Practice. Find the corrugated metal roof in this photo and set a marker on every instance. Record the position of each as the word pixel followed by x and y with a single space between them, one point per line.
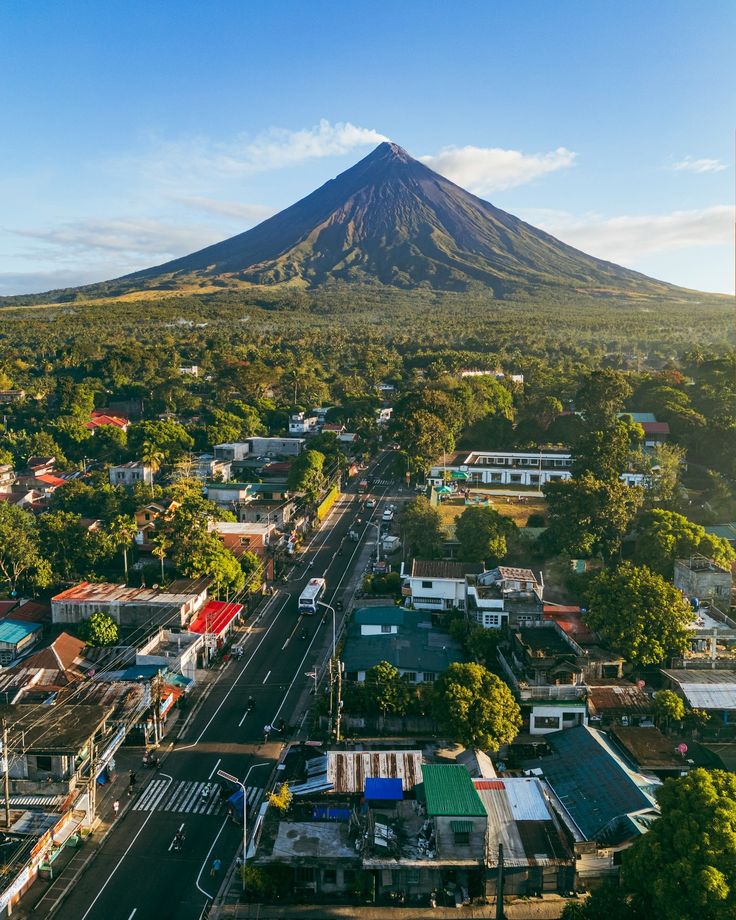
pixel 449 790
pixel 461 827
pixel 14 631
pixel 348 770
pixel 706 689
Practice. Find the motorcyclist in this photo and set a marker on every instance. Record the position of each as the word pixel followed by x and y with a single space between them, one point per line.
pixel 205 794
pixel 178 840
pixel 251 703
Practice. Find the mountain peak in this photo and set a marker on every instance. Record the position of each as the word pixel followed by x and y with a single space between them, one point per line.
pixel 390 151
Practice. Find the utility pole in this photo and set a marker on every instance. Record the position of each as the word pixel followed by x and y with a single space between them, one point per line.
pixel 156 684
pixel 6 774
pixel 500 915
pixel 332 678
pixel 339 700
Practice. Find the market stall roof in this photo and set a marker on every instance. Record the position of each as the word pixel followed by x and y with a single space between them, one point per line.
pixel 215 617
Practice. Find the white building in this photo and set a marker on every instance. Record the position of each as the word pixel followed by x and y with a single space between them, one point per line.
pixel 438 585
pixel 504 467
pixel 301 423
pixel 128 474
pixel 232 451
pixel 276 447
pixel 503 596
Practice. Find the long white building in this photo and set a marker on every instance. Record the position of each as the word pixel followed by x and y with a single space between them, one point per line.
pixel 504 467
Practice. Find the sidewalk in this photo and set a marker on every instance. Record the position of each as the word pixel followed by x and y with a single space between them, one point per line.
pixel 549 907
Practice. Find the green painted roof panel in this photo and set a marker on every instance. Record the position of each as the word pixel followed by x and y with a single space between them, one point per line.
pixel 449 790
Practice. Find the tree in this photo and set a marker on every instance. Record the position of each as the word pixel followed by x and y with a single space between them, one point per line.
pixel 588 516
pixel 386 689
pixel 668 707
pixel 253 572
pixel 422 437
pixel 202 554
pixel 605 454
pixel 602 396
pixel 110 443
pixel 484 534
pixel 66 544
pixel 607 903
pixel 475 707
pixel 421 526
pixel 159 550
pixel 307 474
pixel 662 467
pixel 153 456
pixel 168 437
pixel 684 867
pixel 121 531
pixel 280 799
pixel 21 561
pixel 99 630
pixel 663 536
pixel 639 613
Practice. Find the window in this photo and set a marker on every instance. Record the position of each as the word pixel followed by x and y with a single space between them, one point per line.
pixel 429 677
pixel 546 721
pixel 426 584
pixel 329 876
pixel 43 763
pixel 534 479
pixel 491 619
pixel 496 477
pixel 385 628
pixel 429 601
pixel 410 676
pixel 462 838
pixel 515 477
pixel 304 875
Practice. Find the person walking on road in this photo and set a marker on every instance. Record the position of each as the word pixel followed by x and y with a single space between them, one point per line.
pixel 216 865
pixel 131 782
pixel 116 807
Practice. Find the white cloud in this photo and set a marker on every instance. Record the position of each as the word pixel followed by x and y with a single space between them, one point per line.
pixel 489 169
pixel 690 164
pixel 252 213
pixel 200 159
pixel 629 238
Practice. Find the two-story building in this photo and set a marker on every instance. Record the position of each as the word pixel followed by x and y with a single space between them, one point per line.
pixel 438 584
pixel 531 468
pixel 130 474
pixel 151 518
pixel 301 423
pixel 131 606
pixel 504 596
pixel 699 577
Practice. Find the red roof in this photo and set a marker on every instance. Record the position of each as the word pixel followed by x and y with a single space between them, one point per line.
pixel 6 607
pixel 655 427
pixel 32 611
pixel 215 617
pixel 50 480
pixel 571 621
pixel 99 419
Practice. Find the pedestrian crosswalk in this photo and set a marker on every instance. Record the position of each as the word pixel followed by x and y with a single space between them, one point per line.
pixel 185 797
pixel 382 482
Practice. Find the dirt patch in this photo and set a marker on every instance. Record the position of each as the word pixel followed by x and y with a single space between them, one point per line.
pixel 512 506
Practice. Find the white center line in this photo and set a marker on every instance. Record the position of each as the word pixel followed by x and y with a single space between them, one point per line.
pixel 214 768
pixel 135 911
pixel 266 677
pixel 243 719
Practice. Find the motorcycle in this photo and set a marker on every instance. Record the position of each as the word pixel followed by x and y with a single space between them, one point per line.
pixel 205 794
pixel 150 760
pixel 178 842
pixel 251 704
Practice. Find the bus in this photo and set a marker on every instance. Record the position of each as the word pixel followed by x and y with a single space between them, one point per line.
pixel 313 593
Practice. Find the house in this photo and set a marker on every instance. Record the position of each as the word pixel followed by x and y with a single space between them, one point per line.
pixel 604 803
pixel 301 423
pixel 384 415
pixel 602 663
pixel 152 607
pixel 504 468
pixel 260 511
pixel 7 477
pixel 654 432
pixel 404 638
pixel 189 370
pixel 11 396
pixel 131 473
pixel 150 519
pixel 177 651
pixel 45 672
pixel 41 465
pixel 699 577
pixel 713 690
pixel 235 450
pixel 17 637
pixel 336 428
pixel 259 538
pixel 22 496
pixel 438 585
pixel 276 447
pixel 618 702
pixel 100 418
pixel 229 494
pixel 503 596
pixel 207 467
pixel 650 751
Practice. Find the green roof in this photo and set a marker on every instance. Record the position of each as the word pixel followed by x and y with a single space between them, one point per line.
pixel 449 790
pixel 461 827
pixel 640 417
pixel 725 531
pixel 379 616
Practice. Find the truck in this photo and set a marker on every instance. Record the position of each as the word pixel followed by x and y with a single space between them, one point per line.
pixel 390 544
pixel 362 486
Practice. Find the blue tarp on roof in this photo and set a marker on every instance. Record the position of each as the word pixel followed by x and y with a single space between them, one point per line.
pixel 142 672
pixel 383 789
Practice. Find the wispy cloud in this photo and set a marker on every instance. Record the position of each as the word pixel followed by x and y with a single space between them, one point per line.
pixel 490 169
pixel 277 148
pixel 628 238
pixel 251 213
pixel 690 164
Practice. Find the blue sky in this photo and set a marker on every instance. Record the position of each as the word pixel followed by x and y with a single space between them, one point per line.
pixel 135 132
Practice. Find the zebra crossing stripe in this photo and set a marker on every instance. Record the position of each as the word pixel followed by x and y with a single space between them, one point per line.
pixel 185 796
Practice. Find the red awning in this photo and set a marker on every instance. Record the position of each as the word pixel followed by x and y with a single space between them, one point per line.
pixel 215 617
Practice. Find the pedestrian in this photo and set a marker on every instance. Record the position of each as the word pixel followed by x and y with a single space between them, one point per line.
pixel 216 864
pixel 116 807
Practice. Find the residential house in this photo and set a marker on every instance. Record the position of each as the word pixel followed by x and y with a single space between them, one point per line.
pixel 654 432
pixel 16 638
pixel 234 450
pixel 699 577
pixel 173 606
pixel 713 690
pixel 384 415
pixel 603 802
pixel 618 702
pixel 189 370
pixel 151 518
pixel 11 396
pixel 438 585
pixel 602 663
pixel 131 473
pixel 649 751
pixel 404 638
pixel 23 497
pixel 276 447
pixel 300 423
pixel 7 477
pixel 44 672
pixel 100 418
pixel 176 651
pixel 40 465
pixel 206 467
pixel 503 596
pixel 229 494
pixel 504 468
pixel 260 538
pixel 280 514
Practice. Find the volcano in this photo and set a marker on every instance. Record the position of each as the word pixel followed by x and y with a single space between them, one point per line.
pixel 392 221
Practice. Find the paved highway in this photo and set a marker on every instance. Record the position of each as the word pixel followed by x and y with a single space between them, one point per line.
pixel 137 875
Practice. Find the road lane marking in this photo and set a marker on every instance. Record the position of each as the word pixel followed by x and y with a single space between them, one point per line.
pixel 215 768
pixel 135 909
pixel 120 861
pixel 245 714
pixel 171 846
pixel 266 677
pixel 234 684
pixel 210 897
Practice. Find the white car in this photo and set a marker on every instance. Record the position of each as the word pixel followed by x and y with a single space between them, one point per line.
pixel 370 503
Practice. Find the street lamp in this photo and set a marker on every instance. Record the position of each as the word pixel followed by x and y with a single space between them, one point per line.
pixel 233 779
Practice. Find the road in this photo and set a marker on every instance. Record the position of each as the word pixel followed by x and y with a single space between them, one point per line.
pixel 137 875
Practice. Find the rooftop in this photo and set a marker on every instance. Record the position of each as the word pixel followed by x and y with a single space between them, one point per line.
pixel 647 747
pixel 215 617
pixel 615 696
pixel 544 640
pixel 106 593
pixel 347 771
pixel 426 568
pixel 382 616
pixel 706 689
pixel 698 563
pixel 449 790
pixel 14 631
pixel 571 622
pixel 53 729
pixel 415 647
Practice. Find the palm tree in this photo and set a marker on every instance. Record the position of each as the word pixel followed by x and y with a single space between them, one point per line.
pixel 153 457
pixel 122 531
pixel 159 551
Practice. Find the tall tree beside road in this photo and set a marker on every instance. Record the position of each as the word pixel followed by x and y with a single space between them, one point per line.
pixel 475 707
pixel 422 438
pixel 484 535
pixel 589 516
pixel 386 689
pixel 684 867
pixel 121 531
pixel 602 396
pixel 607 453
pixel 22 564
pixel 663 536
pixel 307 475
pixel 639 614
pixel 421 527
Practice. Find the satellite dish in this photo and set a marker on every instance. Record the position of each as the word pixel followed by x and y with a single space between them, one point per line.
pixel 641 684
pixel 682 748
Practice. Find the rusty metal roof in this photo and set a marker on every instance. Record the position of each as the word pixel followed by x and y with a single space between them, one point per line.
pixel 348 770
